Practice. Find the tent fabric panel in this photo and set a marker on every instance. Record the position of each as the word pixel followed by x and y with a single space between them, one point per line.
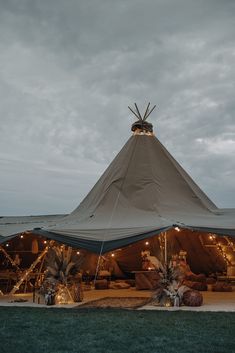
pixel 143 186
pixel 15 225
pixel 219 231
pixel 97 246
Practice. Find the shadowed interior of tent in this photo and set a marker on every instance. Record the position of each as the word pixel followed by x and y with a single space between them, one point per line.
pixel 217 258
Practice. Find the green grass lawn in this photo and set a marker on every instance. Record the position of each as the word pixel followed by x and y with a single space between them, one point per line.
pixel 30 330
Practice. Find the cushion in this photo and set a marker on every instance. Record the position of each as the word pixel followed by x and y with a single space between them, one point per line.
pixel 221 287
pixel 101 284
pixel 196 278
pixel 196 285
pixel 210 280
pixel 119 285
pixel 192 298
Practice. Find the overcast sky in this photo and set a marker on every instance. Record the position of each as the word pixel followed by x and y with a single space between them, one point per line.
pixel 68 71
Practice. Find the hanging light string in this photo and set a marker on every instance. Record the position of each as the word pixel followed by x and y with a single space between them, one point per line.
pixel 9 258
pixel 40 270
pixel 220 247
pixel 230 244
pixel 223 253
pixel 29 270
pixel 162 245
pixel 112 214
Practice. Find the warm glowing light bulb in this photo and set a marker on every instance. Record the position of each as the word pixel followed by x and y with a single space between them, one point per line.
pixel 112 255
pixel 146 243
pixel 177 229
pixel 78 252
pixel 211 237
pixel 22 236
pixel 45 242
pixel 7 244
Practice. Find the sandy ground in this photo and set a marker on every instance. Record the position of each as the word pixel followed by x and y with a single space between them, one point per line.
pixel 213 301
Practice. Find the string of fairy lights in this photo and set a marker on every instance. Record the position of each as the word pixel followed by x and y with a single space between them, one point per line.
pixel 28 271
pixel 12 262
pixel 223 248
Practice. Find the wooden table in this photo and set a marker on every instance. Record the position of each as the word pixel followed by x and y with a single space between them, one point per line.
pixel 146 279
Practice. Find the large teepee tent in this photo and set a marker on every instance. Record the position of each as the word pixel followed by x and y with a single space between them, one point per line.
pixel 143 192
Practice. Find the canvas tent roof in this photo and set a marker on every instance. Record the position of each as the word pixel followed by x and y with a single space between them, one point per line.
pixel 11 226
pixel 143 191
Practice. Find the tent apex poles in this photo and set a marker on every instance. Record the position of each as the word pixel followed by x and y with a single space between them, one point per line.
pixel 136 112
pixel 150 112
pixel 146 112
pixel 139 118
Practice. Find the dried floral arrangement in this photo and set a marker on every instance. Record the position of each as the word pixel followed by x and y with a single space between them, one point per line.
pixel 171 289
pixel 62 265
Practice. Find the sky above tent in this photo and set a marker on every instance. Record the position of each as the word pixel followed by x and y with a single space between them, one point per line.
pixel 69 69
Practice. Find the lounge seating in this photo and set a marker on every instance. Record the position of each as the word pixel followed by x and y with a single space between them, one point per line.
pixel 101 284
pixel 221 287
